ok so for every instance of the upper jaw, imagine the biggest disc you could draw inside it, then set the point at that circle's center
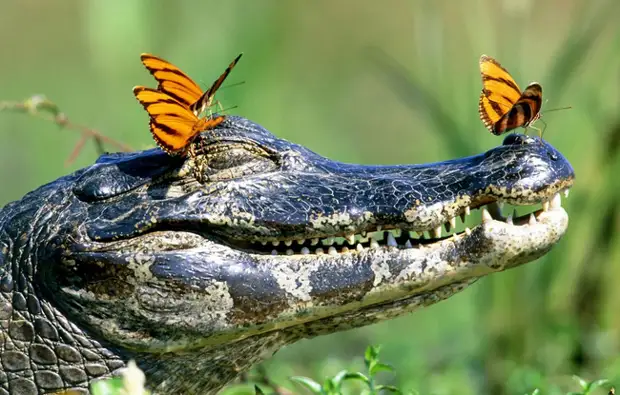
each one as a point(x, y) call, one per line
point(548, 223)
point(304, 209)
point(337, 210)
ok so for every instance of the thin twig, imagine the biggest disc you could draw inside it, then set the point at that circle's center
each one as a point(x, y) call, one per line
point(39, 106)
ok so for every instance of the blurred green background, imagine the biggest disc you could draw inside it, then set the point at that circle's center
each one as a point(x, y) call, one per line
point(376, 83)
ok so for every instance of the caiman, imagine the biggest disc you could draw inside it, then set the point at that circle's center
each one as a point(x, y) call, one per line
point(199, 267)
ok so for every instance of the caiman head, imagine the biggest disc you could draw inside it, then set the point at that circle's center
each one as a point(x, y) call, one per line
point(200, 267)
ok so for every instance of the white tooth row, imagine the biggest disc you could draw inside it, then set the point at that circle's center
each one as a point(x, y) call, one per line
point(391, 241)
point(554, 203)
point(495, 208)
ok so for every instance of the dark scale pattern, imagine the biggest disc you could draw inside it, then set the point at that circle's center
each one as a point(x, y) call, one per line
point(35, 359)
point(115, 257)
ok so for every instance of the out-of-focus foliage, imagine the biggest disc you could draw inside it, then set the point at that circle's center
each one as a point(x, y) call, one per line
point(368, 82)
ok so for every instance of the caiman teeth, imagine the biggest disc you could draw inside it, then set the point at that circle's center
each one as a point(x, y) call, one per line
point(391, 241)
point(556, 201)
point(404, 238)
point(486, 216)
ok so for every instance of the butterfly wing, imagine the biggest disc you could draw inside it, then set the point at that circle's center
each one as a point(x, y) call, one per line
point(206, 99)
point(172, 80)
point(172, 124)
point(499, 92)
point(525, 111)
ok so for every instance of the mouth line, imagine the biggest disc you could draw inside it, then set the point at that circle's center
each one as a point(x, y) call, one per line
point(397, 238)
point(181, 237)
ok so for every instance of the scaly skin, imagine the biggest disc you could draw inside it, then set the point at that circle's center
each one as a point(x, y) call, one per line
point(199, 268)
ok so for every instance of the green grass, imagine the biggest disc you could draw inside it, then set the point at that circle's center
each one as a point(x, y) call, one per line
point(366, 382)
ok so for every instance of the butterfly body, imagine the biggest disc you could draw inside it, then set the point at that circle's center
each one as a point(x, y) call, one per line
point(502, 105)
point(175, 106)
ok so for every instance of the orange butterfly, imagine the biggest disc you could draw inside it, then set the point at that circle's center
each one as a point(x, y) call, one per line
point(174, 107)
point(502, 106)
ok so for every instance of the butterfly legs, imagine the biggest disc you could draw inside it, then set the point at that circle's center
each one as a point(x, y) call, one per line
point(540, 132)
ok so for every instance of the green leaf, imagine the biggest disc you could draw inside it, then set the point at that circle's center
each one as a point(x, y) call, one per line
point(388, 388)
point(331, 387)
point(379, 367)
point(339, 377)
point(112, 386)
point(356, 376)
point(308, 383)
point(582, 383)
point(371, 354)
point(598, 383)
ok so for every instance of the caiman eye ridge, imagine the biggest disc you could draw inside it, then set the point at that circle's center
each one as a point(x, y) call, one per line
point(400, 238)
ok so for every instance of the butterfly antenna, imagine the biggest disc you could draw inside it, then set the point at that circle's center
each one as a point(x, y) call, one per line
point(224, 86)
point(233, 84)
point(228, 108)
point(558, 109)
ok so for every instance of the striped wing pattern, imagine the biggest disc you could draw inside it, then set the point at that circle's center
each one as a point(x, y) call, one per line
point(502, 105)
point(174, 107)
point(206, 99)
point(172, 124)
point(172, 80)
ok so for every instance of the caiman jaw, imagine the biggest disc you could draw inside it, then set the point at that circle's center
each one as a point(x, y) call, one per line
point(548, 215)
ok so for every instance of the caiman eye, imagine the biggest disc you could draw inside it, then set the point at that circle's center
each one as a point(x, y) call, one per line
point(224, 161)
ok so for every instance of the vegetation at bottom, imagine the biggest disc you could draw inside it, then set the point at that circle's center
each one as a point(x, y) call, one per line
point(367, 381)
